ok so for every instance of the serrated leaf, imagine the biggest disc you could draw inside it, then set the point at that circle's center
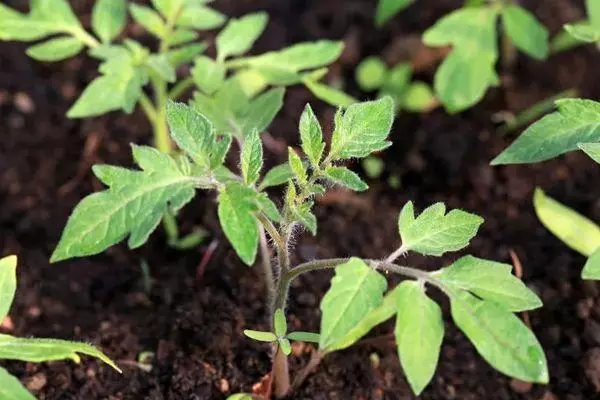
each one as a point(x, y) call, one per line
point(105, 218)
point(576, 121)
point(46, 18)
point(297, 166)
point(236, 215)
point(260, 336)
point(8, 284)
point(329, 95)
point(347, 178)
point(55, 49)
point(419, 333)
point(192, 132)
point(148, 19)
point(11, 388)
point(40, 350)
point(109, 18)
point(307, 337)
point(592, 150)
point(386, 9)
point(311, 136)
point(584, 32)
point(490, 281)
point(200, 17)
point(591, 269)
point(355, 291)
point(363, 129)
point(279, 323)
point(276, 176)
point(208, 74)
point(501, 338)
point(220, 151)
point(525, 31)
point(575, 230)
point(435, 233)
point(382, 313)
point(262, 111)
point(239, 34)
point(252, 158)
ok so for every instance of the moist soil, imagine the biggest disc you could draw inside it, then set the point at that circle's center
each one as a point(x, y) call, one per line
point(192, 318)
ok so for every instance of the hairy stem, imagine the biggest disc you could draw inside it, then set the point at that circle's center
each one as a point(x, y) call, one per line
point(266, 263)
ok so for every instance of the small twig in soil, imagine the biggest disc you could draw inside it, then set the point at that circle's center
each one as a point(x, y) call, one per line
point(313, 363)
point(206, 259)
point(519, 274)
point(92, 143)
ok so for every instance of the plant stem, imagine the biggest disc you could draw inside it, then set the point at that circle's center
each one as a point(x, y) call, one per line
point(281, 374)
point(266, 263)
point(181, 87)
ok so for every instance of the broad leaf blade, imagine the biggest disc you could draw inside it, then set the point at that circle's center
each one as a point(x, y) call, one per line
point(307, 337)
point(276, 176)
point(347, 178)
point(148, 19)
point(55, 49)
point(434, 232)
point(576, 121)
point(208, 74)
point(11, 388)
point(260, 336)
point(240, 34)
point(192, 132)
point(252, 158)
point(262, 110)
point(490, 281)
point(592, 150)
point(311, 136)
point(109, 18)
point(200, 17)
point(575, 230)
point(419, 333)
point(355, 291)
point(591, 270)
point(40, 350)
point(525, 31)
point(501, 338)
point(280, 323)
point(8, 284)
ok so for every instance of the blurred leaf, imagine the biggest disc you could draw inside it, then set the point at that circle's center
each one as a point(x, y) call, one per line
point(148, 19)
point(525, 31)
point(55, 49)
point(591, 270)
point(307, 337)
point(371, 73)
point(200, 17)
point(208, 74)
point(260, 336)
point(386, 9)
point(11, 388)
point(8, 284)
point(239, 34)
point(109, 18)
point(332, 96)
point(592, 150)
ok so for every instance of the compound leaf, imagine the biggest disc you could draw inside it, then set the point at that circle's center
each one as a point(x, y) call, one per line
point(500, 337)
point(575, 230)
point(433, 232)
point(419, 333)
point(490, 281)
point(8, 284)
point(363, 129)
point(239, 34)
point(355, 291)
point(576, 121)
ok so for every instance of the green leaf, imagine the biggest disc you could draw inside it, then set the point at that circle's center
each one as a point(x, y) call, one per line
point(129, 207)
point(584, 31)
point(386, 9)
point(501, 338)
point(169, 8)
point(382, 313)
point(40, 350)
point(161, 66)
point(468, 71)
point(285, 346)
point(297, 167)
point(192, 132)
point(419, 333)
point(592, 150)
point(240, 396)
point(419, 97)
point(397, 80)
point(593, 12)
point(239, 34)
point(280, 323)
point(576, 121)
point(311, 136)
point(355, 291)
point(252, 158)
point(208, 74)
point(200, 17)
point(347, 178)
point(525, 31)
point(434, 232)
point(329, 95)
point(262, 111)
point(306, 218)
point(300, 336)
point(260, 336)
point(490, 281)
point(301, 56)
point(236, 215)
point(564, 41)
point(11, 388)
point(363, 129)
point(575, 230)
point(185, 54)
point(371, 73)
point(8, 284)
point(591, 270)
point(181, 36)
point(148, 19)
point(276, 176)
point(55, 49)
point(268, 207)
point(109, 18)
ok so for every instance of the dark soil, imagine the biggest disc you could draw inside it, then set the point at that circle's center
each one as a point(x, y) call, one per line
point(194, 325)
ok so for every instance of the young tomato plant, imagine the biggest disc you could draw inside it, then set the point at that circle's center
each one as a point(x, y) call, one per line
point(30, 349)
point(573, 127)
point(470, 69)
point(483, 294)
point(127, 67)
